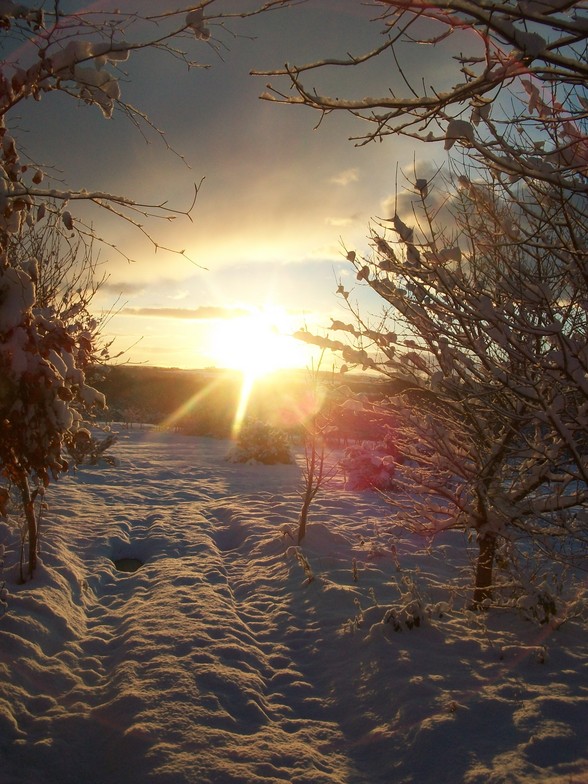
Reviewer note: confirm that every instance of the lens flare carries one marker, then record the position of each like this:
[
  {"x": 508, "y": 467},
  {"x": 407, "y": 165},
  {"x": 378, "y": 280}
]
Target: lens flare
[{"x": 257, "y": 344}]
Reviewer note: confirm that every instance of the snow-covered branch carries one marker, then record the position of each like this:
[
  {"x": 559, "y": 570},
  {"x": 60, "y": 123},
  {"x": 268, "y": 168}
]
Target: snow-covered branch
[{"x": 516, "y": 48}]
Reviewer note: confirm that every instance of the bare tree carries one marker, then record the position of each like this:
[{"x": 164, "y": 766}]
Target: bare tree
[
  {"x": 314, "y": 472},
  {"x": 492, "y": 422},
  {"x": 483, "y": 274},
  {"x": 319, "y": 468}
]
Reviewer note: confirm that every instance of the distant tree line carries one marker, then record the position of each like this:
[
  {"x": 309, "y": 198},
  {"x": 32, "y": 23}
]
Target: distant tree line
[{"x": 204, "y": 402}]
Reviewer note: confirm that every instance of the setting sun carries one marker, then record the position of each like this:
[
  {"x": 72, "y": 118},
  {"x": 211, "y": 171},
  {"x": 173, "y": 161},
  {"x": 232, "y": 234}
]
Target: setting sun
[{"x": 259, "y": 343}]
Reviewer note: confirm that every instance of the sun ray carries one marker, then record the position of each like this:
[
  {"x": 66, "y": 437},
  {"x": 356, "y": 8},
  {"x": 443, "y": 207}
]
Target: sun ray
[
  {"x": 256, "y": 345},
  {"x": 247, "y": 385},
  {"x": 189, "y": 405}
]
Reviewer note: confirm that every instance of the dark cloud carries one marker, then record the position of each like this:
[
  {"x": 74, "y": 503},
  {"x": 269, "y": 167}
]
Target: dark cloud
[{"x": 204, "y": 312}]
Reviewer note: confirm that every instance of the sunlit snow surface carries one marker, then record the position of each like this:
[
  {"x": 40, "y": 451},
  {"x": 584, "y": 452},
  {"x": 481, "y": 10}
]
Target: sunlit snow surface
[{"x": 219, "y": 661}]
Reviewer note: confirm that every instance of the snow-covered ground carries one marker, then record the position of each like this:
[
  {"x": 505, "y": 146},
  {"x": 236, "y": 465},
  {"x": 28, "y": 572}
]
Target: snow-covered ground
[{"x": 232, "y": 656}]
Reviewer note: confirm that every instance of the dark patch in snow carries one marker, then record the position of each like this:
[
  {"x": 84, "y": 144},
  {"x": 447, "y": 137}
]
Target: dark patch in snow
[{"x": 127, "y": 564}]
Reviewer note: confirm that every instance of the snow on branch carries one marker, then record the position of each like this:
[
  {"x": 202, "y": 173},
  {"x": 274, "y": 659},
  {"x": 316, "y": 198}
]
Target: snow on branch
[{"x": 507, "y": 58}]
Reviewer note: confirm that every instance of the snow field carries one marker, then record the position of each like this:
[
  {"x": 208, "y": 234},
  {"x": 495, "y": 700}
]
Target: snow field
[{"x": 226, "y": 659}]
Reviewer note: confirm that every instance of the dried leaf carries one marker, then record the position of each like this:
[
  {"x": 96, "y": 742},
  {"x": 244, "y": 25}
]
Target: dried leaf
[
  {"x": 458, "y": 129},
  {"x": 343, "y": 327},
  {"x": 412, "y": 255},
  {"x": 422, "y": 186},
  {"x": 405, "y": 232}
]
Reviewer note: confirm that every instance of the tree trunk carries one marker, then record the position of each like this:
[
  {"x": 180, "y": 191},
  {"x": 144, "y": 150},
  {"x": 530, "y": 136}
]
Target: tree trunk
[
  {"x": 304, "y": 515},
  {"x": 312, "y": 482},
  {"x": 484, "y": 569},
  {"x": 28, "y": 506}
]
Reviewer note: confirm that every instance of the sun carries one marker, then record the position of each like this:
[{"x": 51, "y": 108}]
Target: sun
[{"x": 258, "y": 343}]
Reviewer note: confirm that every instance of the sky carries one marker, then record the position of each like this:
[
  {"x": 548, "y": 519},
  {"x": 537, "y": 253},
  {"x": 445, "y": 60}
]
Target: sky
[{"x": 280, "y": 199}]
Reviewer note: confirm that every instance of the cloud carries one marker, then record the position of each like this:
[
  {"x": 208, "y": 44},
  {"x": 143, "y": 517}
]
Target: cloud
[
  {"x": 208, "y": 313},
  {"x": 339, "y": 222},
  {"x": 125, "y": 288},
  {"x": 346, "y": 177},
  {"x": 179, "y": 295},
  {"x": 407, "y": 195},
  {"x": 407, "y": 201}
]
